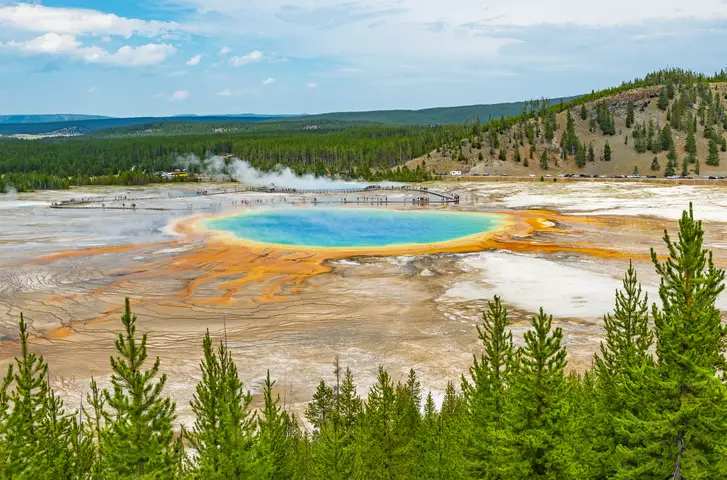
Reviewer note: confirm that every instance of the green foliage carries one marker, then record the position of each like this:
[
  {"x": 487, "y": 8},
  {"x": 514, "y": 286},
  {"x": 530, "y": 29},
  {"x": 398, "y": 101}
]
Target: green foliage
[
  {"x": 655, "y": 167},
  {"x": 630, "y": 115},
  {"x": 713, "y": 155},
  {"x": 607, "y": 152},
  {"x": 663, "y": 102},
  {"x": 139, "y": 440},
  {"x": 223, "y": 430}
]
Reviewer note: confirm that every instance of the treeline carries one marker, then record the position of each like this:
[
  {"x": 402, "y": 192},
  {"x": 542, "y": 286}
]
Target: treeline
[
  {"x": 370, "y": 152},
  {"x": 654, "y": 405},
  {"x": 25, "y": 182}
]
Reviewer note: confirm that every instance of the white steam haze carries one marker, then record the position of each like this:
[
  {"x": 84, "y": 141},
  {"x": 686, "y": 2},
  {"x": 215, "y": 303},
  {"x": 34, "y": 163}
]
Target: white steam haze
[{"x": 282, "y": 177}]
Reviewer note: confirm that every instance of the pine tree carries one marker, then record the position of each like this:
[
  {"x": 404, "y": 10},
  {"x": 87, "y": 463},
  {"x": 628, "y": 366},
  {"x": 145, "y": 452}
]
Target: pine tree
[
  {"x": 580, "y": 155},
  {"x": 713, "y": 155},
  {"x": 29, "y": 401},
  {"x": 485, "y": 392},
  {"x": 685, "y": 167},
  {"x": 591, "y": 153},
  {"x": 502, "y": 156},
  {"x": 670, "y": 169},
  {"x": 724, "y": 144},
  {"x": 685, "y": 432},
  {"x": 655, "y": 167},
  {"x": 584, "y": 112},
  {"x": 663, "y": 102},
  {"x": 544, "y": 159},
  {"x": 223, "y": 427},
  {"x": 630, "y": 115},
  {"x": 273, "y": 452},
  {"x": 691, "y": 144},
  {"x": 535, "y": 441},
  {"x": 607, "y": 152},
  {"x": 95, "y": 427},
  {"x": 140, "y": 440},
  {"x": 623, "y": 357},
  {"x": 383, "y": 449},
  {"x": 441, "y": 438}
]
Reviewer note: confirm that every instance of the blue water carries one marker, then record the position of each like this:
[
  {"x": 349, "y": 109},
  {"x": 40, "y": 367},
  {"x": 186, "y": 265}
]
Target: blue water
[{"x": 348, "y": 227}]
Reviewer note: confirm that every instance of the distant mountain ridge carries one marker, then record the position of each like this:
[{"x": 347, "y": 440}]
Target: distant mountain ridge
[
  {"x": 44, "y": 124},
  {"x": 430, "y": 116},
  {"x": 47, "y": 118}
]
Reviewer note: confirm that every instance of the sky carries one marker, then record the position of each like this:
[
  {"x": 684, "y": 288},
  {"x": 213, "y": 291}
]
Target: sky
[{"x": 172, "y": 57}]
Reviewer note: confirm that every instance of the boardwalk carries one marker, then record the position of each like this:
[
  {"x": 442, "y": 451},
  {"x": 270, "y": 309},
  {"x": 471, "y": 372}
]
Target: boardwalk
[{"x": 374, "y": 195}]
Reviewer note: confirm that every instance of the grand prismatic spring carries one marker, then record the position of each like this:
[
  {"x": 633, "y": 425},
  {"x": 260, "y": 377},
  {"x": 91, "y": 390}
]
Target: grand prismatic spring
[{"x": 294, "y": 283}]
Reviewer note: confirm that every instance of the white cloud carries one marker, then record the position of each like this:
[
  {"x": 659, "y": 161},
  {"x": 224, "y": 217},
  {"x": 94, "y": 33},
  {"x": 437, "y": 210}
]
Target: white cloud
[
  {"x": 77, "y": 21},
  {"x": 268, "y": 81},
  {"x": 252, "y": 57},
  {"x": 179, "y": 96},
  {"x": 225, "y": 93},
  {"x": 48, "y": 43},
  {"x": 311, "y": 85},
  {"x": 225, "y": 50},
  {"x": 67, "y": 45},
  {"x": 194, "y": 60}
]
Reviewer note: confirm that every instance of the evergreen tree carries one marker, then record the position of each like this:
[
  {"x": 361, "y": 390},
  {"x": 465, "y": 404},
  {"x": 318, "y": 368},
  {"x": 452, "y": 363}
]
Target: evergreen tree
[
  {"x": 623, "y": 357},
  {"x": 691, "y": 144},
  {"x": 630, "y": 115},
  {"x": 273, "y": 448},
  {"x": 28, "y": 400},
  {"x": 502, "y": 156},
  {"x": 685, "y": 167},
  {"x": 379, "y": 445},
  {"x": 139, "y": 441},
  {"x": 591, "y": 153},
  {"x": 223, "y": 428},
  {"x": 607, "y": 152},
  {"x": 663, "y": 102},
  {"x": 544, "y": 159},
  {"x": 655, "y": 167},
  {"x": 535, "y": 442},
  {"x": 485, "y": 392},
  {"x": 724, "y": 144},
  {"x": 584, "y": 112},
  {"x": 713, "y": 155},
  {"x": 580, "y": 155},
  {"x": 441, "y": 438},
  {"x": 685, "y": 431}
]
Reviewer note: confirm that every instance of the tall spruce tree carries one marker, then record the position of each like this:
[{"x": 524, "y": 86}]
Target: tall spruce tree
[
  {"x": 623, "y": 357},
  {"x": 685, "y": 431},
  {"x": 274, "y": 447},
  {"x": 223, "y": 430},
  {"x": 139, "y": 441},
  {"x": 535, "y": 442},
  {"x": 28, "y": 411},
  {"x": 485, "y": 392}
]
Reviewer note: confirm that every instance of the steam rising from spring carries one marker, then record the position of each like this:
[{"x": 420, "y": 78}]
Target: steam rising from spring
[{"x": 243, "y": 172}]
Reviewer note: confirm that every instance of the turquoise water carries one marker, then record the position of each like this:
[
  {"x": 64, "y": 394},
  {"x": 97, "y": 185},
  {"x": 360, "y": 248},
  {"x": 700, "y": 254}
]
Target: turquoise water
[{"x": 347, "y": 227}]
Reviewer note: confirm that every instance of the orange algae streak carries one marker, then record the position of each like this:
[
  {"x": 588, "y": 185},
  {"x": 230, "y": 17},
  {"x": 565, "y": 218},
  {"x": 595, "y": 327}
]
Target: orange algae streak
[{"x": 222, "y": 269}]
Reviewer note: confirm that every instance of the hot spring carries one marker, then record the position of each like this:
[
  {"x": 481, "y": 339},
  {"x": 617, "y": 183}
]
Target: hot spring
[{"x": 353, "y": 227}]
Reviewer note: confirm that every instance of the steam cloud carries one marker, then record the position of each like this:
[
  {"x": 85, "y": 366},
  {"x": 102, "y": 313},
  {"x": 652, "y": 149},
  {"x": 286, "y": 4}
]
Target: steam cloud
[{"x": 243, "y": 172}]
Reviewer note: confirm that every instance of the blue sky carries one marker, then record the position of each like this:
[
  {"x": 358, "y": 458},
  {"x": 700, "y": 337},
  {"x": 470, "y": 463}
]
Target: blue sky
[{"x": 168, "y": 57}]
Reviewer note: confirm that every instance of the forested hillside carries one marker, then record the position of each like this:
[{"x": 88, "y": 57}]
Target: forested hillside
[
  {"x": 653, "y": 405},
  {"x": 672, "y": 122}
]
